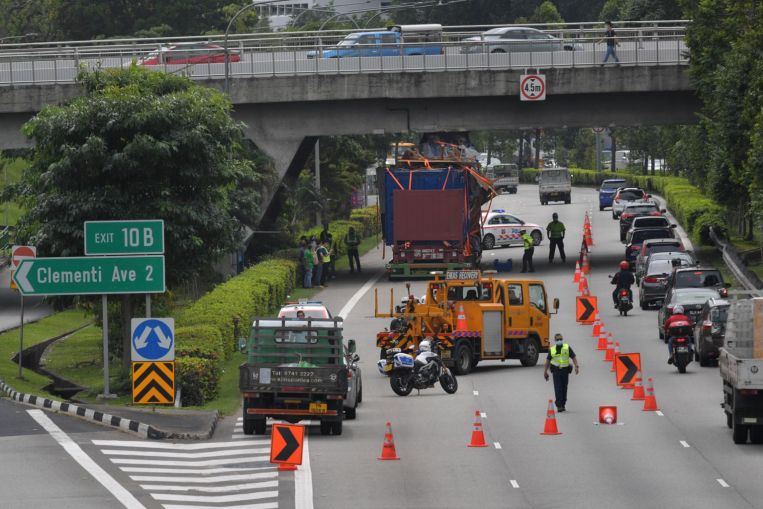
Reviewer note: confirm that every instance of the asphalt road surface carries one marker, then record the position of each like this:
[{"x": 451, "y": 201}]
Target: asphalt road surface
[{"x": 682, "y": 456}]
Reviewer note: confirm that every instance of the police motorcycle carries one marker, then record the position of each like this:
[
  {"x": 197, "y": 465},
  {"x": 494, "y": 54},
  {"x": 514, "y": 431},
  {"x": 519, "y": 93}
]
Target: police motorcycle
[
  {"x": 422, "y": 372},
  {"x": 682, "y": 334}
]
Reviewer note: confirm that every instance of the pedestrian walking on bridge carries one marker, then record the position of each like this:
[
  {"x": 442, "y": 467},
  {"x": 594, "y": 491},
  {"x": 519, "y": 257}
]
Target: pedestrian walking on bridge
[
  {"x": 529, "y": 245},
  {"x": 555, "y": 232},
  {"x": 559, "y": 356}
]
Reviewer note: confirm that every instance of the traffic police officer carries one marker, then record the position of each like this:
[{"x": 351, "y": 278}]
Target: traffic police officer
[
  {"x": 559, "y": 356},
  {"x": 529, "y": 245},
  {"x": 555, "y": 233}
]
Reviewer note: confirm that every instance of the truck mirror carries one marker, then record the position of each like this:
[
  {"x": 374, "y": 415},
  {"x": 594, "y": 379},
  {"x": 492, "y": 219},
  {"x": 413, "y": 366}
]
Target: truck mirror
[
  {"x": 351, "y": 346},
  {"x": 556, "y": 303},
  {"x": 241, "y": 344}
]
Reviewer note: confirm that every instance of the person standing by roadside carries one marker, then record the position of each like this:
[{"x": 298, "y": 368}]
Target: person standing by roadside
[
  {"x": 324, "y": 235},
  {"x": 325, "y": 257},
  {"x": 332, "y": 253},
  {"x": 308, "y": 262},
  {"x": 558, "y": 359},
  {"x": 611, "y": 39},
  {"x": 302, "y": 248},
  {"x": 318, "y": 267},
  {"x": 555, "y": 232},
  {"x": 352, "y": 241},
  {"x": 529, "y": 245}
]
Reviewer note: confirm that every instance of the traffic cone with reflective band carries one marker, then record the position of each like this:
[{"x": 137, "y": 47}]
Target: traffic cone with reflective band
[
  {"x": 550, "y": 426},
  {"x": 576, "y": 279},
  {"x": 607, "y": 415},
  {"x": 461, "y": 319},
  {"x": 614, "y": 356},
  {"x": 478, "y": 437},
  {"x": 596, "y": 326},
  {"x": 650, "y": 402},
  {"x": 583, "y": 283},
  {"x": 602, "y": 340},
  {"x": 388, "y": 449},
  {"x": 638, "y": 389},
  {"x": 585, "y": 268},
  {"x": 586, "y": 292},
  {"x": 609, "y": 355}
]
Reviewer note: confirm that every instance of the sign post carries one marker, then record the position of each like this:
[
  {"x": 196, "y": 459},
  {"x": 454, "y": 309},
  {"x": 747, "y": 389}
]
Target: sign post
[{"x": 19, "y": 253}]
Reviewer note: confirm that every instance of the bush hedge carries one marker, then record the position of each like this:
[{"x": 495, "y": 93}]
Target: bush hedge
[
  {"x": 696, "y": 212},
  {"x": 197, "y": 379},
  {"x": 200, "y": 341}
]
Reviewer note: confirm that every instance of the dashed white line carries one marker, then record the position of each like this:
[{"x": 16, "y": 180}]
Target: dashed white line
[
  {"x": 723, "y": 483},
  {"x": 514, "y": 484},
  {"x": 99, "y": 474},
  {"x": 659, "y": 412},
  {"x": 483, "y": 415},
  {"x": 497, "y": 445},
  {"x": 476, "y": 393},
  {"x": 685, "y": 443},
  {"x": 211, "y": 489}
]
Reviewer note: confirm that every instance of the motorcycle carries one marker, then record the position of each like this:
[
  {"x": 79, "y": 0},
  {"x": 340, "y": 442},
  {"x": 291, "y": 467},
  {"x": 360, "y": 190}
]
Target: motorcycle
[
  {"x": 422, "y": 372},
  {"x": 682, "y": 334},
  {"x": 624, "y": 303}
]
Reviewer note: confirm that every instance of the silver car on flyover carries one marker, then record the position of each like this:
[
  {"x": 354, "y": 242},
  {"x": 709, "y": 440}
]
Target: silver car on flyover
[{"x": 515, "y": 40}]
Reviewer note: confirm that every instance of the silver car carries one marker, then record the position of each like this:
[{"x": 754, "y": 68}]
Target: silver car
[
  {"x": 654, "y": 283},
  {"x": 684, "y": 260},
  {"x": 515, "y": 40}
]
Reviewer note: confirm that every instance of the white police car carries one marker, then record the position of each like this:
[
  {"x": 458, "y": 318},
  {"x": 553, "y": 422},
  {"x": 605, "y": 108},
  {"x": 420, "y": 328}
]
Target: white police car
[{"x": 502, "y": 229}]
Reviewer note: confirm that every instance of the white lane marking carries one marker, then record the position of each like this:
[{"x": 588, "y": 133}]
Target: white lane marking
[
  {"x": 514, "y": 484},
  {"x": 476, "y": 393},
  {"x": 215, "y": 499},
  {"x": 265, "y": 505},
  {"x": 685, "y": 443},
  {"x": 239, "y": 437},
  {"x": 497, "y": 445},
  {"x": 182, "y": 447},
  {"x": 70, "y": 446},
  {"x": 211, "y": 489},
  {"x": 205, "y": 463},
  {"x": 345, "y": 311},
  {"x": 658, "y": 412},
  {"x": 723, "y": 483},
  {"x": 205, "y": 471},
  {"x": 303, "y": 481},
  {"x": 205, "y": 479},
  {"x": 188, "y": 455},
  {"x": 483, "y": 415}
]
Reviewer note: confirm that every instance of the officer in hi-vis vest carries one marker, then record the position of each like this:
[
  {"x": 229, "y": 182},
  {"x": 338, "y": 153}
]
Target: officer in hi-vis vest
[{"x": 559, "y": 356}]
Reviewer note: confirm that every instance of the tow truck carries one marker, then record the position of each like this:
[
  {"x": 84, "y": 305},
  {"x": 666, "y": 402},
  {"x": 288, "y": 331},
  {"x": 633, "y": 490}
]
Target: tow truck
[{"x": 475, "y": 316}]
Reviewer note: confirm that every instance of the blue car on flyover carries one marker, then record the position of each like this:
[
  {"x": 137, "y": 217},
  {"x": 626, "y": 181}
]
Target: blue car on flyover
[
  {"x": 400, "y": 40},
  {"x": 607, "y": 191}
]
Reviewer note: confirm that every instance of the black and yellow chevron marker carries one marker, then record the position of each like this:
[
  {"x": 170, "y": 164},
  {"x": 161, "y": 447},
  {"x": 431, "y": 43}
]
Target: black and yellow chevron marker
[{"x": 153, "y": 383}]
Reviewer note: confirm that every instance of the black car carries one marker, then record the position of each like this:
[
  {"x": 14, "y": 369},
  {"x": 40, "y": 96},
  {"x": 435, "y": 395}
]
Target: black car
[
  {"x": 630, "y": 212},
  {"x": 710, "y": 330},
  {"x": 697, "y": 277},
  {"x": 637, "y": 237}
]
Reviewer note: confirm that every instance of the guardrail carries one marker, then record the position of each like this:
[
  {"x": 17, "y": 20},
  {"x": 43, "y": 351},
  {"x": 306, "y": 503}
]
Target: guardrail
[
  {"x": 328, "y": 52},
  {"x": 748, "y": 279}
]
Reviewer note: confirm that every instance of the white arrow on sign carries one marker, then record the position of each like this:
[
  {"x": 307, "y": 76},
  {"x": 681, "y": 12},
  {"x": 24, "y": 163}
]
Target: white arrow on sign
[
  {"x": 142, "y": 341},
  {"x": 164, "y": 341},
  {"x": 22, "y": 276}
]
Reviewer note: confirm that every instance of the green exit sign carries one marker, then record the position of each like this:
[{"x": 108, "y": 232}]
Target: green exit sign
[{"x": 124, "y": 237}]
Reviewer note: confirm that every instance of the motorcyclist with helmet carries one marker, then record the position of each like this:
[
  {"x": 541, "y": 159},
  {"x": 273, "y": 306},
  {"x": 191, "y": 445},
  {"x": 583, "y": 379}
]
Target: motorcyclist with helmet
[
  {"x": 677, "y": 316},
  {"x": 623, "y": 280}
]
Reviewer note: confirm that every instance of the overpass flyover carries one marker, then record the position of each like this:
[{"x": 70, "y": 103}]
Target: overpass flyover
[{"x": 287, "y": 94}]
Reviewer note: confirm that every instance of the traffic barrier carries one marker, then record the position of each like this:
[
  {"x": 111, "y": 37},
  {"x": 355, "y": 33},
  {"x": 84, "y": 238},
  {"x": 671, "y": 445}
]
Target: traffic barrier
[
  {"x": 478, "y": 437},
  {"x": 576, "y": 279},
  {"x": 650, "y": 402},
  {"x": 607, "y": 415},
  {"x": 549, "y": 428},
  {"x": 602, "y": 341},
  {"x": 638, "y": 389},
  {"x": 596, "y": 329},
  {"x": 609, "y": 355},
  {"x": 614, "y": 356},
  {"x": 461, "y": 319},
  {"x": 388, "y": 449}
]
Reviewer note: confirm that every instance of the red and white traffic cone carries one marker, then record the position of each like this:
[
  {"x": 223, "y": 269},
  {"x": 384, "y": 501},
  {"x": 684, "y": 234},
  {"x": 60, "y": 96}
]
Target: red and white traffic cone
[
  {"x": 650, "y": 402},
  {"x": 478, "y": 437},
  {"x": 549, "y": 428},
  {"x": 638, "y": 389}
]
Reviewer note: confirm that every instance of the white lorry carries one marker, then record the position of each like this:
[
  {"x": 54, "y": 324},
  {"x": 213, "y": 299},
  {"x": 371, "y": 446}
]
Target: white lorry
[
  {"x": 505, "y": 177},
  {"x": 554, "y": 184}
]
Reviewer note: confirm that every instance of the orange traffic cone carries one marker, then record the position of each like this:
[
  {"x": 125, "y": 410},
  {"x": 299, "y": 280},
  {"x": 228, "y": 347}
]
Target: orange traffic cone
[
  {"x": 614, "y": 356},
  {"x": 596, "y": 326},
  {"x": 549, "y": 427},
  {"x": 586, "y": 292},
  {"x": 650, "y": 402},
  {"x": 576, "y": 279},
  {"x": 478, "y": 437},
  {"x": 585, "y": 268},
  {"x": 602, "y": 341},
  {"x": 388, "y": 449},
  {"x": 609, "y": 355},
  {"x": 638, "y": 389},
  {"x": 286, "y": 467},
  {"x": 583, "y": 283},
  {"x": 461, "y": 319}
]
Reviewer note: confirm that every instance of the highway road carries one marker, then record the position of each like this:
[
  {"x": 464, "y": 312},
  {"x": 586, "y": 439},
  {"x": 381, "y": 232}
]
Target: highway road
[{"x": 682, "y": 456}]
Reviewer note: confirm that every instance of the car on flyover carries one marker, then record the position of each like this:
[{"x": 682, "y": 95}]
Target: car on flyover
[
  {"x": 501, "y": 229},
  {"x": 514, "y": 40},
  {"x": 692, "y": 300},
  {"x": 607, "y": 191},
  {"x": 399, "y": 40},
  {"x": 189, "y": 53}
]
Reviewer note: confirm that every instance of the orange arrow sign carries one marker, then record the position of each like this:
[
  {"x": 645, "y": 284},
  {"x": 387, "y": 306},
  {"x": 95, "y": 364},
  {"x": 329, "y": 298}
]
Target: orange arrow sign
[
  {"x": 626, "y": 367},
  {"x": 286, "y": 444}
]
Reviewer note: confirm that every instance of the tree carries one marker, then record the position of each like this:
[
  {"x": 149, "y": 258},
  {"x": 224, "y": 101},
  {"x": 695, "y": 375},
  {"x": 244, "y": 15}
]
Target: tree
[{"x": 546, "y": 13}]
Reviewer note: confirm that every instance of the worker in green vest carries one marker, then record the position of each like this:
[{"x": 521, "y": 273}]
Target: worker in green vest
[
  {"x": 559, "y": 356},
  {"x": 555, "y": 233},
  {"x": 529, "y": 245}
]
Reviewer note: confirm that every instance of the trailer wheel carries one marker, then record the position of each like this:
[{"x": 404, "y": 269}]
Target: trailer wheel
[
  {"x": 739, "y": 432},
  {"x": 463, "y": 358},
  {"x": 530, "y": 358},
  {"x": 325, "y": 427},
  {"x": 336, "y": 427},
  {"x": 756, "y": 434}
]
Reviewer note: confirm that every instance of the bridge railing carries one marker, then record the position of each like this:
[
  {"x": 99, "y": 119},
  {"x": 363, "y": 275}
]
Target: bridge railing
[{"x": 301, "y": 53}]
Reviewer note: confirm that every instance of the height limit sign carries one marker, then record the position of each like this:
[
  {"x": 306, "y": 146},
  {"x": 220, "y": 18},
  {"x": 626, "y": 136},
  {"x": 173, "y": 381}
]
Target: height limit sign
[{"x": 532, "y": 87}]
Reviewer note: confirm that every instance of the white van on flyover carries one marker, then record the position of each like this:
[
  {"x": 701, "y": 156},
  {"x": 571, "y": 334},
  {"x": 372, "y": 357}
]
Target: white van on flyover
[{"x": 554, "y": 184}]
